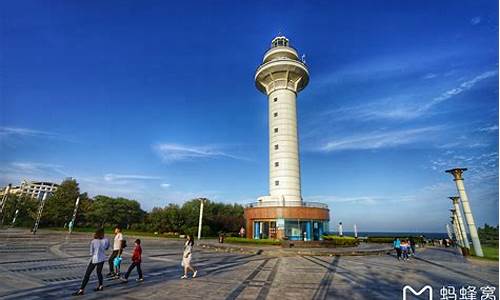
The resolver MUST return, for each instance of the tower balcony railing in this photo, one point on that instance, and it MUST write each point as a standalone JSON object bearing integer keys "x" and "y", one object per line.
{"x": 286, "y": 204}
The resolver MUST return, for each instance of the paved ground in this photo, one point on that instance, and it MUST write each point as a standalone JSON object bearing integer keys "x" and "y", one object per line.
{"x": 50, "y": 266}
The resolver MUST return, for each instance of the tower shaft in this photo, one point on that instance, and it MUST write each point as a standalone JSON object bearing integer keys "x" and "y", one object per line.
{"x": 284, "y": 166}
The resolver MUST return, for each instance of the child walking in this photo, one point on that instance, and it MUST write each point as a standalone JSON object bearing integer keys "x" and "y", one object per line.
{"x": 136, "y": 262}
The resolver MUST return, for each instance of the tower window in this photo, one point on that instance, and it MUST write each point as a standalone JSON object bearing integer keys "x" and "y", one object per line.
{"x": 276, "y": 147}
{"x": 275, "y": 114}
{"x": 276, "y": 182}
{"x": 275, "y": 130}
{"x": 275, "y": 99}
{"x": 276, "y": 164}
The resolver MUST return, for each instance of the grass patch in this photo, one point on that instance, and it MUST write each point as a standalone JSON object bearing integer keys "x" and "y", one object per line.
{"x": 238, "y": 240}
{"x": 490, "y": 252}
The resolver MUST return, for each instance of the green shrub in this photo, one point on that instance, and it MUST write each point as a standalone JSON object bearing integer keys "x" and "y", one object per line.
{"x": 238, "y": 240}
{"x": 341, "y": 240}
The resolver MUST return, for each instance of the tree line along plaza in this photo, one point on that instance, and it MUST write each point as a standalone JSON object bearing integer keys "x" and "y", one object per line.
{"x": 282, "y": 214}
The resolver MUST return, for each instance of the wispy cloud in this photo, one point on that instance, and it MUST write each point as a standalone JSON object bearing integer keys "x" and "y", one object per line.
{"x": 363, "y": 200}
{"x": 177, "y": 152}
{"x": 482, "y": 167}
{"x": 114, "y": 177}
{"x": 464, "y": 86}
{"x": 14, "y": 172}
{"x": 491, "y": 128}
{"x": 18, "y": 132}
{"x": 404, "y": 106}
{"x": 429, "y": 76}
{"x": 378, "y": 140}
{"x": 165, "y": 185}
{"x": 475, "y": 20}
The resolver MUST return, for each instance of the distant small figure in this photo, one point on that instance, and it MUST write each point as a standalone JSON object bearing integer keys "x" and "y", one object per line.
{"x": 221, "y": 238}
{"x": 136, "y": 262}
{"x": 397, "y": 246}
{"x": 98, "y": 248}
{"x": 242, "y": 231}
{"x": 186, "y": 257}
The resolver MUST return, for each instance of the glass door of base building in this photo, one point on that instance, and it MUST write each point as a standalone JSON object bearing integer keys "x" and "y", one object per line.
{"x": 264, "y": 230}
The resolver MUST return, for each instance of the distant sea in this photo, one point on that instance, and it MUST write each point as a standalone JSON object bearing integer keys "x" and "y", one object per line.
{"x": 429, "y": 235}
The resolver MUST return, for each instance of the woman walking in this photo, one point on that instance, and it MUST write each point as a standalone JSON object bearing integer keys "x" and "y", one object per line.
{"x": 186, "y": 257}
{"x": 98, "y": 246}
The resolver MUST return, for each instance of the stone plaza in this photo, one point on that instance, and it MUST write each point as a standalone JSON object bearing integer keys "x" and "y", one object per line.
{"x": 50, "y": 265}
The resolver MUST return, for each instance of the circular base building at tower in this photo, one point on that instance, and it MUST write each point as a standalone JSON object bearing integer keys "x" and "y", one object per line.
{"x": 283, "y": 213}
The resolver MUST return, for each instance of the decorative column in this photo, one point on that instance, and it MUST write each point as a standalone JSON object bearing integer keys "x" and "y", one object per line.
{"x": 456, "y": 229}
{"x": 448, "y": 230}
{"x": 469, "y": 218}
{"x": 460, "y": 221}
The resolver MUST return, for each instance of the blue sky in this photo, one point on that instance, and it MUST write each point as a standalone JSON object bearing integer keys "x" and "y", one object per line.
{"x": 155, "y": 101}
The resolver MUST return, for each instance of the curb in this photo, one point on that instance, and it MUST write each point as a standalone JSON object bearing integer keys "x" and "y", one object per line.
{"x": 302, "y": 252}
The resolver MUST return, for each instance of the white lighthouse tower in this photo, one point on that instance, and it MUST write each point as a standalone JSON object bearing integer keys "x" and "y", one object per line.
{"x": 281, "y": 76}
{"x": 283, "y": 214}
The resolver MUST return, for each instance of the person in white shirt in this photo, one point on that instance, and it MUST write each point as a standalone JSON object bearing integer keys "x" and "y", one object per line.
{"x": 98, "y": 246}
{"x": 117, "y": 250}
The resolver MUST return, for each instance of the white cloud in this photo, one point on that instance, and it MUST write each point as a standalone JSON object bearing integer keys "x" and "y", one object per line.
{"x": 491, "y": 128}
{"x": 475, "y": 20}
{"x": 377, "y": 140}
{"x": 165, "y": 185}
{"x": 430, "y": 76}
{"x": 176, "y": 152}
{"x": 115, "y": 177}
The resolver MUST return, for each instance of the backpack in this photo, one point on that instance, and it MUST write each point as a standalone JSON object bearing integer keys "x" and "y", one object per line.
{"x": 124, "y": 244}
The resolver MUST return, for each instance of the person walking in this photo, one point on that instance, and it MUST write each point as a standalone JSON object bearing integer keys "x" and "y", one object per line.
{"x": 117, "y": 248}
{"x": 412, "y": 246}
{"x": 404, "y": 249}
{"x": 397, "y": 246}
{"x": 186, "y": 257}
{"x": 136, "y": 262}
{"x": 98, "y": 247}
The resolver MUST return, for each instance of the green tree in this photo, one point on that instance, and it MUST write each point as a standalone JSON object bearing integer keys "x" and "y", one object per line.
{"x": 59, "y": 207}
{"x": 27, "y": 209}
{"x": 105, "y": 210}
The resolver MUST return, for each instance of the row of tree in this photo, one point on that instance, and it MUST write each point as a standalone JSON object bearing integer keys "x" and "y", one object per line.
{"x": 104, "y": 211}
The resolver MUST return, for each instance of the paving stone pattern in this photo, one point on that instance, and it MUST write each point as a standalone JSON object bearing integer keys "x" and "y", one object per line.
{"x": 50, "y": 265}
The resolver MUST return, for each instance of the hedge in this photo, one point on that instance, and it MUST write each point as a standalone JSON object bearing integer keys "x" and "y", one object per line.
{"x": 238, "y": 240}
{"x": 341, "y": 240}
